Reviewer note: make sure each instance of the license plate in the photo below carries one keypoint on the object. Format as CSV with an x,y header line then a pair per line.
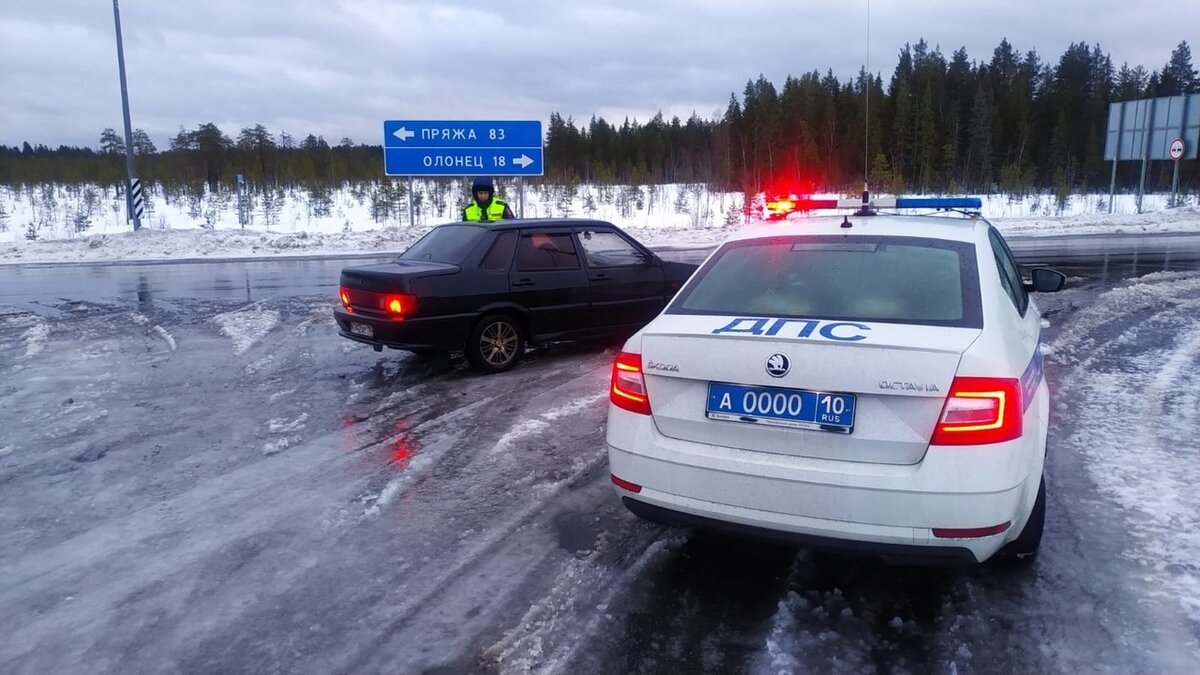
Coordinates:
x,y
362,329
772,406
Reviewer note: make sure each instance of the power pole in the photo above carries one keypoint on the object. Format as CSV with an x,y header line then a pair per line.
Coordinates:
x,y
134,203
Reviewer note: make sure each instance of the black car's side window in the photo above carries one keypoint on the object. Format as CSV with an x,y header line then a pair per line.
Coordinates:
x,y
609,249
499,256
1010,273
543,251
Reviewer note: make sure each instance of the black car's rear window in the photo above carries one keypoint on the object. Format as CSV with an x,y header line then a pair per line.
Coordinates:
x,y
445,243
889,279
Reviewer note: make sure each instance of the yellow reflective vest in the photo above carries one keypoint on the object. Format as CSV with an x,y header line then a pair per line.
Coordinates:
x,y
495,211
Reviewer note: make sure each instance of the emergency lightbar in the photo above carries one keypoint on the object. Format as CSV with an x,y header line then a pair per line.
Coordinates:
x,y
891,203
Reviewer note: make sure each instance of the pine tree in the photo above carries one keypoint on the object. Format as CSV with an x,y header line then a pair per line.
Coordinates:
x,y
979,148
142,145
1178,76
111,143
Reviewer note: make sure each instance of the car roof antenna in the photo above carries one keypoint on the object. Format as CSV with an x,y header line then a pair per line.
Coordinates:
x,y
868,79
846,221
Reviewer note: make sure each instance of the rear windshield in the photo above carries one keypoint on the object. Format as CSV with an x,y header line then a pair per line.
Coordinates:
x,y
888,279
446,243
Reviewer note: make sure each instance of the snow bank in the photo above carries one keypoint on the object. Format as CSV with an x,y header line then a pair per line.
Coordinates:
x,y
664,215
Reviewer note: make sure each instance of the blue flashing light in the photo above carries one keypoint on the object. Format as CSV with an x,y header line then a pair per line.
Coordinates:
x,y
939,203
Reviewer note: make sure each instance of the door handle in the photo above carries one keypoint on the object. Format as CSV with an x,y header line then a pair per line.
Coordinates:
x,y
600,277
523,282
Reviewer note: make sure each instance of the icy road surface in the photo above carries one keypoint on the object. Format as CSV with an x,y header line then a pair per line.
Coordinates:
x,y
196,480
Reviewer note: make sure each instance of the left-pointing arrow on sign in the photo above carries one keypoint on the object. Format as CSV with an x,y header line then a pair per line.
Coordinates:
x,y
523,161
403,134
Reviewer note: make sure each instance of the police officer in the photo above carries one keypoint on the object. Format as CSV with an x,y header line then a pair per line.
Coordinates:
x,y
485,207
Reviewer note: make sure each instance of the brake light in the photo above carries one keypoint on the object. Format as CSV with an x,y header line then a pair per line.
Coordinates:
x,y
395,305
980,410
398,306
628,390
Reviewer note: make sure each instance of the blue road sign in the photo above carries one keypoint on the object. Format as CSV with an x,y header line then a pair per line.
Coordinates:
x,y
462,161
461,147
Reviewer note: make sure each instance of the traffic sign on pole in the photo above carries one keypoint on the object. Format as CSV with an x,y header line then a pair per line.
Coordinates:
x,y
462,147
1176,150
1176,153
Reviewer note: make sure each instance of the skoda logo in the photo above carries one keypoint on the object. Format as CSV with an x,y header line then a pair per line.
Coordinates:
x,y
778,365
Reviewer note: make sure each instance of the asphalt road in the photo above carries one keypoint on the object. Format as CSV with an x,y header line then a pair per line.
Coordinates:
x,y
198,475
35,286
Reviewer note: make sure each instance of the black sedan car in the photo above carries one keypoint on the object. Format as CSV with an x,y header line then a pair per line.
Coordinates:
x,y
489,289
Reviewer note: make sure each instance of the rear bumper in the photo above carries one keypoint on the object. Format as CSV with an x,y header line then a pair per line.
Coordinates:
x,y
904,554
872,509
441,333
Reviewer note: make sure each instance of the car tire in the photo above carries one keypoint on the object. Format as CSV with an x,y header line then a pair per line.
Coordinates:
x,y
1024,548
495,344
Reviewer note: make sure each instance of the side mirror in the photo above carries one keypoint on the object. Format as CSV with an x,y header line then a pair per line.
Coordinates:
x,y
1046,280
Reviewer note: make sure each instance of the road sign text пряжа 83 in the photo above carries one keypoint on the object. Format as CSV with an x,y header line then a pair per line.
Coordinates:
x,y
454,148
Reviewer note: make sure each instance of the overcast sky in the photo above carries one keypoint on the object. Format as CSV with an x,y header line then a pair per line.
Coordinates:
x,y
339,67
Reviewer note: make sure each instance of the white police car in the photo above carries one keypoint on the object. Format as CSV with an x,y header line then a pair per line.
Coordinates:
x,y
867,383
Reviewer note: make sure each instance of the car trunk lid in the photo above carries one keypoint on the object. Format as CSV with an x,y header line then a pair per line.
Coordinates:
x,y
897,374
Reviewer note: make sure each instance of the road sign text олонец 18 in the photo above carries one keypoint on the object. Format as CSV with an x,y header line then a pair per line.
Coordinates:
x,y
461,161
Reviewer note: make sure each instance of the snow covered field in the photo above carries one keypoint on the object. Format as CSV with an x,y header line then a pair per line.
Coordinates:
x,y
57,224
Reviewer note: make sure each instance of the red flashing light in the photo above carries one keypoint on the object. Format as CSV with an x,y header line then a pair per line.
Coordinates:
x,y
628,390
979,411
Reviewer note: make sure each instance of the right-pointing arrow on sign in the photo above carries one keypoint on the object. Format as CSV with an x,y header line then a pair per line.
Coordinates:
x,y
523,161
403,134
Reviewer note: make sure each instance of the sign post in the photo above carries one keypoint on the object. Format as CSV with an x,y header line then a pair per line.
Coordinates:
x,y
1143,130
131,210
1176,153
464,147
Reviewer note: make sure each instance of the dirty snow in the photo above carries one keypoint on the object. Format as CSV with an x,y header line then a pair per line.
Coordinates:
x,y
283,426
573,408
517,432
276,446
167,337
1137,421
6,450
35,339
247,326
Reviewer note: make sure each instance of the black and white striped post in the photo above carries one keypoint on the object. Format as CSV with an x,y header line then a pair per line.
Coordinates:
x,y
134,214
137,201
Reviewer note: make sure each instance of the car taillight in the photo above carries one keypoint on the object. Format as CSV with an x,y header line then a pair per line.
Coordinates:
x,y
980,410
397,306
344,294
628,390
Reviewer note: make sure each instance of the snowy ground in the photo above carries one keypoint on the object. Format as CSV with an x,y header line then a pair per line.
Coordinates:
x,y
677,215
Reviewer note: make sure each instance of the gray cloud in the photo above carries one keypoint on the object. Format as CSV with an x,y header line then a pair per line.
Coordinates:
x,y
338,68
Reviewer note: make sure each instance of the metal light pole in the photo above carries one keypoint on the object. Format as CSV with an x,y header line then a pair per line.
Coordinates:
x,y
132,213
